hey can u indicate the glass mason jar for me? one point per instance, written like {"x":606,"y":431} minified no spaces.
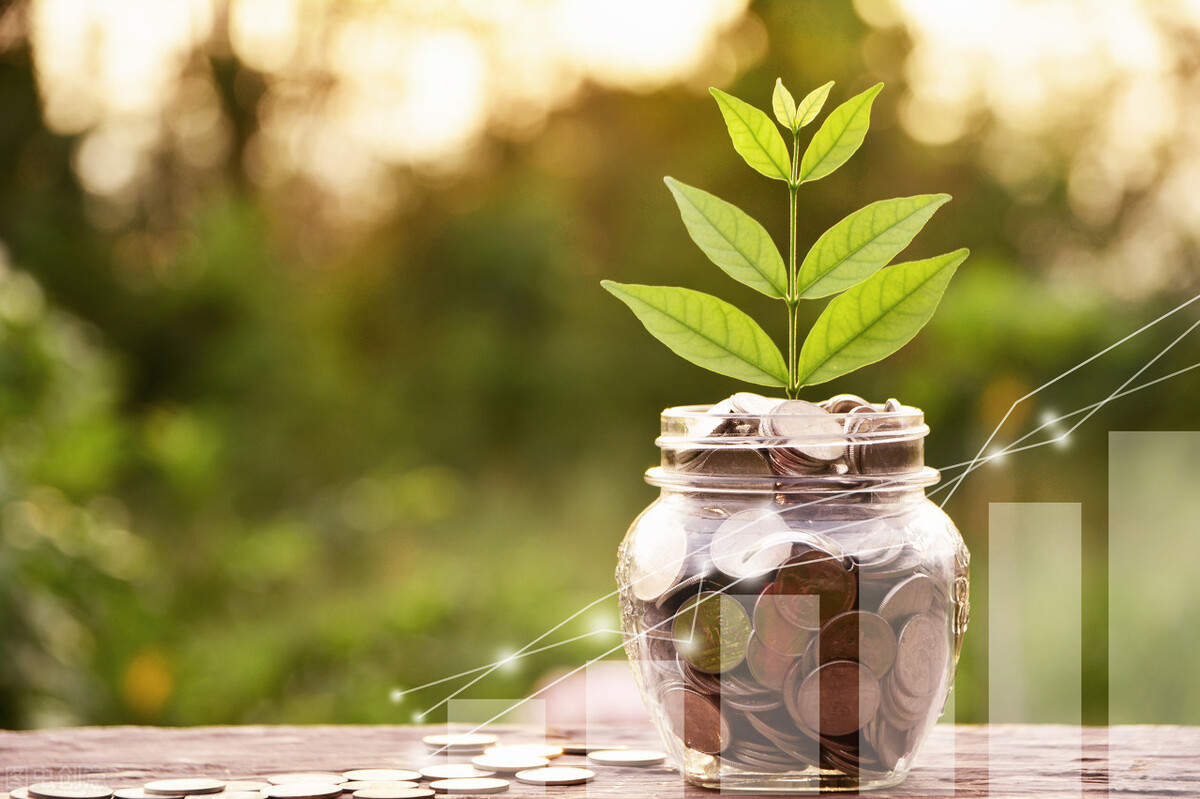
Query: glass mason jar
{"x":792,"y":603}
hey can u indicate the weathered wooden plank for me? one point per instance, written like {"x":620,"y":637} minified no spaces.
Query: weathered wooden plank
{"x":962,"y":761}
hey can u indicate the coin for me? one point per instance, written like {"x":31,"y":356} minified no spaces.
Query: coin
{"x":583,"y":747}
{"x":69,"y":790}
{"x":547,"y":751}
{"x":627,"y":757}
{"x":19,"y":793}
{"x":557,"y":775}
{"x":460,"y":742}
{"x":711,"y":632}
{"x":470,"y":785}
{"x":773,"y":630}
{"x":135,"y":793}
{"x":370,"y":785}
{"x":659,"y":553}
{"x":228,"y":794}
{"x":750,"y":543}
{"x":326,"y":777}
{"x":808,"y":575}
{"x":185,"y":785}
{"x":408,"y":790}
{"x":844,"y":403}
{"x":302,"y":790}
{"x":838,"y":698}
{"x":751,"y":404}
{"x":245,"y":785}
{"x":768,"y":666}
{"x":696,"y":719}
{"x":381,"y":774}
{"x":508,"y":764}
{"x":814,"y":437}
{"x":859,"y":635}
{"x":454,"y":771}
{"x":912,"y":595}
{"x":921,"y":652}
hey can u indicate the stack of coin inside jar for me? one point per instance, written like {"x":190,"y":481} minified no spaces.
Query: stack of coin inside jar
{"x":793,"y":603}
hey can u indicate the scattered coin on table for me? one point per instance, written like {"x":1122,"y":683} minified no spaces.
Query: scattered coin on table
{"x":627,"y":757}
{"x":555,"y":775}
{"x":454,"y":771}
{"x":460,"y":742}
{"x":327,"y":777}
{"x":245,"y":785}
{"x":303,"y":790}
{"x":400,"y":790}
{"x":365,"y":785}
{"x":185,"y":786}
{"x":69,"y":790}
{"x":380,"y":774}
{"x":508,"y":763}
{"x":403,"y":793}
{"x":468,"y":785}
{"x":583,"y":748}
{"x":525,"y":750}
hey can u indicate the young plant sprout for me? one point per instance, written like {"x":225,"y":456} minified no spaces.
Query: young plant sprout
{"x":878,"y":308}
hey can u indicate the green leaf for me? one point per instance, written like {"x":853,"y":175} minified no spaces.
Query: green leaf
{"x":811,"y":105}
{"x":705,"y":330}
{"x":863,"y":243}
{"x":731,"y":239}
{"x":754,"y":136}
{"x":839,"y":136}
{"x":784,"y":106}
{"x":875,"y":318}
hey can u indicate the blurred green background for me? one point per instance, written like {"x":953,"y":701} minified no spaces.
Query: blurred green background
{"x":309,"y":392}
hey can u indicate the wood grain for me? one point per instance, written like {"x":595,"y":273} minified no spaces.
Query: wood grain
{"x":963,"y":761}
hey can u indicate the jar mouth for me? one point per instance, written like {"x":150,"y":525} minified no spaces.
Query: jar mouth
{"x":793,"y":446}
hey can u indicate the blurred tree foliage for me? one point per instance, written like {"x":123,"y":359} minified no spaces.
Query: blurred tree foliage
{"x":252,"y":471}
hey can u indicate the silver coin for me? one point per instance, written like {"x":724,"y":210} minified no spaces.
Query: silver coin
{"x":470,"y":785}
{"x":325,"y":777}
{"x":510,"y":763}
{"x":548,"y":751}
{"x":844,"y":403}
{"x":69,"y":790}
{"x":751,"y":543}
{"x":628,"y":757}
{"x":454,"y":771}
{"x":368,"y":785}
{"x":135,"y":793}
{"x":583,"y":748}
{"x":19,"y":793}
{"x":460,"y":742}
{"x":245,"y":785}
{"x":381,"y":774}
{"x":751,"y":404}
{"x":404,"y":793}
{"x":185,"y":786}
{"x":810,"y":431}
{"x":303,"y":790}
{"x":659,"y":553}
{"x":227,"y":794}
{"x":401,"y":790}
{"x":556,"y":775}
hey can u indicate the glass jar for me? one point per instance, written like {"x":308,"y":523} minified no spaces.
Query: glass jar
{"x":792,"y":603}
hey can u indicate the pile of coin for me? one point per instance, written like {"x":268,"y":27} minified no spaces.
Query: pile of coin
{"x":825,"y":658}
{"x":843,"y":436}
{"x":525,"y":763}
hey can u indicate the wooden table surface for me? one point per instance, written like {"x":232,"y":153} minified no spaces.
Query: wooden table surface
{"x":967,"y":761}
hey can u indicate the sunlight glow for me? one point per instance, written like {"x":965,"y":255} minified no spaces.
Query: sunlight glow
{"x":1104,"y":94}
{"x":352,"y":89}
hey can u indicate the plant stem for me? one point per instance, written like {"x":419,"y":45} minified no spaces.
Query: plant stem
{"x":793,"y":302}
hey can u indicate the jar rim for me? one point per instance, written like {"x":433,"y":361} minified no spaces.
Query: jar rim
{"x":793,"y":447}
{"x":826,"y":487}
